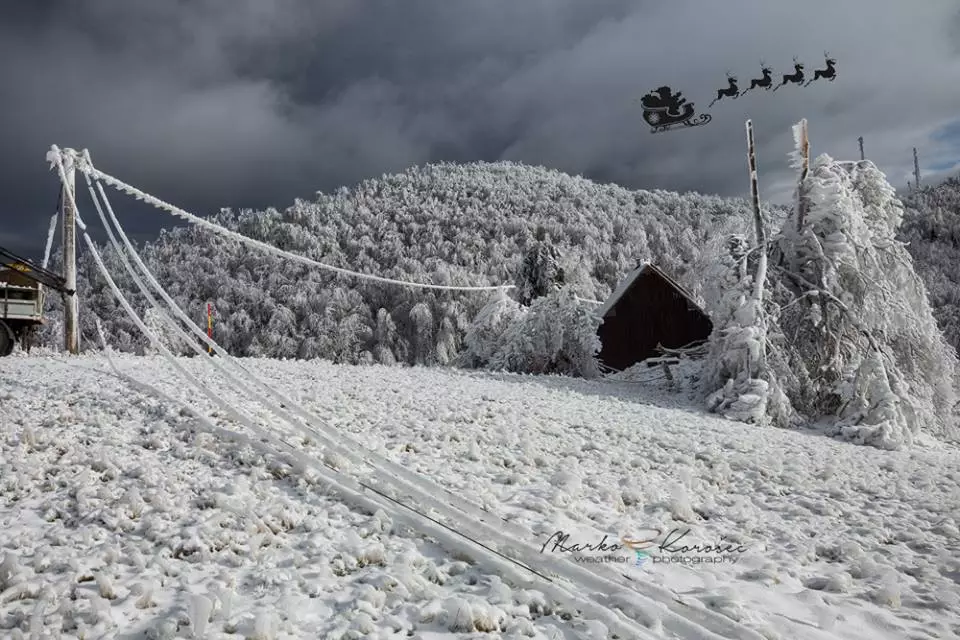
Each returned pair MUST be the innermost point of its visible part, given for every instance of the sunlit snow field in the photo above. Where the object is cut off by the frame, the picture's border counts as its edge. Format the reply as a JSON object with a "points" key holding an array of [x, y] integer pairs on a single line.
{"points": [[120, 517]]}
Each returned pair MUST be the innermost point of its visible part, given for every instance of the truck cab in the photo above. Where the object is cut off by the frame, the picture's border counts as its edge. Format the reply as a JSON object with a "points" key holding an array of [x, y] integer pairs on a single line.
{"points": [[21, 306], [22, 286]]}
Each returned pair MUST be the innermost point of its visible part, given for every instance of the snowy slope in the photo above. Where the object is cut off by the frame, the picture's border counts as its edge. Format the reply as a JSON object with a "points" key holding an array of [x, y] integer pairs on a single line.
{"points": [[117, 512]]}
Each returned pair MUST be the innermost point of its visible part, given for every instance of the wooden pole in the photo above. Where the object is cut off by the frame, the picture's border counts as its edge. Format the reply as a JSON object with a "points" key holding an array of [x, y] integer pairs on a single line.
{"points": [[760, 278], [860, 140], [71, 327], [916, 170], [210, 325], [757, 215], [804, 169]]}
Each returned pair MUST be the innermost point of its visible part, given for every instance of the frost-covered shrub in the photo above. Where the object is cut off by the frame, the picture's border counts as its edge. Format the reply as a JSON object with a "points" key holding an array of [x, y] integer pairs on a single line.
{"points": [[555, 334], [486, 334]]}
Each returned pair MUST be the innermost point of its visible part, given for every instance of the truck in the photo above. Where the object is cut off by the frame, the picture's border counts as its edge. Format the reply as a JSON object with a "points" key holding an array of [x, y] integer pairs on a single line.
{"points": [[22, 285]]}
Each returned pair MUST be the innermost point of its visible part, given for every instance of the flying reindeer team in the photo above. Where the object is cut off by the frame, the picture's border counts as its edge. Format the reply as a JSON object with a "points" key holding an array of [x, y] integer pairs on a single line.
{"points": [[766, 81]]}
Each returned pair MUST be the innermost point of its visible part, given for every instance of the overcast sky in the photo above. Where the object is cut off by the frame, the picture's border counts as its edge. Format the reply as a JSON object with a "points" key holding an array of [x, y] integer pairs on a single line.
{"points": [[251, 103]]}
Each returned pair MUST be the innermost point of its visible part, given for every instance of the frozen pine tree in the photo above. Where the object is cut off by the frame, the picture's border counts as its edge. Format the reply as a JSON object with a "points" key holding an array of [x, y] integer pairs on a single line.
{"points": [[447, 343], [540, 272], [422, 344], [385, 338]]}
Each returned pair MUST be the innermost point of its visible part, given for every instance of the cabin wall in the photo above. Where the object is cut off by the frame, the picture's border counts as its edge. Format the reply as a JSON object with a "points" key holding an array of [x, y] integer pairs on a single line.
{"points": [[652, 311]]}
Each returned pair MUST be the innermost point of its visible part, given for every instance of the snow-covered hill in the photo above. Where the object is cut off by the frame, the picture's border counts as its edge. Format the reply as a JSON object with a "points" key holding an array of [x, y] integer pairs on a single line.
{"points": [[121, 515], [448, 224]]}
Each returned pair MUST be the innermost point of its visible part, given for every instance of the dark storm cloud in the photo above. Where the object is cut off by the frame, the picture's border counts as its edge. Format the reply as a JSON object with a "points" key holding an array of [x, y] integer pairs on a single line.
{"points": [[253, 102]]}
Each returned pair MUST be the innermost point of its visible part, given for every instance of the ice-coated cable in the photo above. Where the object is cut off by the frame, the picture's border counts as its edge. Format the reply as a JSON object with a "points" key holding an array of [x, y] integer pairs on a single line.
{"points": [[52, 230], [232, 411], [164, 316], [352, 493], [337, 442], [176, 211]]}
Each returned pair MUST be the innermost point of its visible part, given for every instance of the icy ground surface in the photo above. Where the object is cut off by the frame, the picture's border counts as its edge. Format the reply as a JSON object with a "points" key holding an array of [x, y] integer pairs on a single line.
{"points": [[119, 519]]}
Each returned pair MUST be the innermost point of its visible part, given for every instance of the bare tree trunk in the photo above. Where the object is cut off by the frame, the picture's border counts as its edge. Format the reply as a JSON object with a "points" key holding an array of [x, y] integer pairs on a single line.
{"points": [[760, 278]]}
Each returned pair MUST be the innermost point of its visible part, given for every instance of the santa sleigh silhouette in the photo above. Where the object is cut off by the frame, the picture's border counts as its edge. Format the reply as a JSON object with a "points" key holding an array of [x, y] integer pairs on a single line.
{"points": [[664, 110]]}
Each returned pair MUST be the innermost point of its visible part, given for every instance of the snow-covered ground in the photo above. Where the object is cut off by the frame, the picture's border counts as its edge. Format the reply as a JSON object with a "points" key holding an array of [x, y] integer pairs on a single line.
{"points": [[121, 515]]}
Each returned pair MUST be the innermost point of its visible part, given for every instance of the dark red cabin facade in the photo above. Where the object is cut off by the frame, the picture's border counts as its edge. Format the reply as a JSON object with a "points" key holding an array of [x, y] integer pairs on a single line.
{"points": [[647, 309]]}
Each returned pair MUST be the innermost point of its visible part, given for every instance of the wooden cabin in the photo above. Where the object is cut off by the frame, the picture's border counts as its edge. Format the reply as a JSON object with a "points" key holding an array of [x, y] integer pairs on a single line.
{"points": [[648, 309]]}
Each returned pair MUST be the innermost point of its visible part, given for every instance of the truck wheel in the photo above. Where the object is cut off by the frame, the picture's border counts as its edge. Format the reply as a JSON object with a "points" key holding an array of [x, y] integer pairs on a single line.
{"points": [[6, 339]]}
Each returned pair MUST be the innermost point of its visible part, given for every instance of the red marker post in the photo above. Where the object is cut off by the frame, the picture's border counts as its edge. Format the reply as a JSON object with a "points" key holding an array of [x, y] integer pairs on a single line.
{"points": [[210, 325]]}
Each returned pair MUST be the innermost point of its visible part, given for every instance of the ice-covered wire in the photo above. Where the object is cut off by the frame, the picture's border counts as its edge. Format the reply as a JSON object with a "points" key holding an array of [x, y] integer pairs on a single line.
{"points": [[269, 445], [334, 440], [50, 233], [236, 413], [276, 407], [311, 426], [84, 168]]}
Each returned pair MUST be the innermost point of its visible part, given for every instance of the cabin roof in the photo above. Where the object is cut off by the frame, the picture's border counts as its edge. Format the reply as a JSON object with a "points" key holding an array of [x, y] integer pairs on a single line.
{"points": [[629, 280]]}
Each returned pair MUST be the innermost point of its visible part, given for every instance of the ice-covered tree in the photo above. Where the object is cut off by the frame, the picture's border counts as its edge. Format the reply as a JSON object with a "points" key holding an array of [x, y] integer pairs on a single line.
{"points": [[540, 272], [738, 363], [555, 334], [486, 334], [851, 336], [866, 348], [423, 344], [868, 338]]}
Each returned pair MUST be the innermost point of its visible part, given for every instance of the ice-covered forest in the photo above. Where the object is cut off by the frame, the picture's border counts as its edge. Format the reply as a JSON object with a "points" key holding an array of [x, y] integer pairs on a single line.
{"points": [[446, 224], [932, 228]]}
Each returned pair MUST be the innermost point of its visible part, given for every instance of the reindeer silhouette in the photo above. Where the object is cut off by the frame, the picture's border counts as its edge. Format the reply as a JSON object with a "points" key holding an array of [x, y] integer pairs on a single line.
{"points": [[830, 73], [730, 92], [765, 82], [795, 78]]}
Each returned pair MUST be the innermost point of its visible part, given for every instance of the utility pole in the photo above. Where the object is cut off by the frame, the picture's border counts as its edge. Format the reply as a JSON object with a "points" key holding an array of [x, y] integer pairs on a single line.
{"points": [[860, 140], [916, 170], [71, 329]]}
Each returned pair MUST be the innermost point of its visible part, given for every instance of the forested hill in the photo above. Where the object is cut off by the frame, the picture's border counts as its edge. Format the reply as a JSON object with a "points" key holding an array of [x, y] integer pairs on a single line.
{"points": [[932, 228], [445, 223]]}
